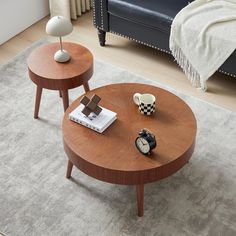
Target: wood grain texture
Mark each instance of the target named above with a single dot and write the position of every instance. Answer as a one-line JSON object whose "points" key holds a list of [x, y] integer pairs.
{"points": [[86, 86], [65, 98], [69, 169], [140, 199], [45, 72], [37, 101], [112, 156]]}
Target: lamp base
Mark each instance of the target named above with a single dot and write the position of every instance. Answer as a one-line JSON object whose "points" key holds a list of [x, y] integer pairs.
{"points": [[61, 56]]}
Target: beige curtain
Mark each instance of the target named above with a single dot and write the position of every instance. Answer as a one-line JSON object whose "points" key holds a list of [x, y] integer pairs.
{"points": [[69, 8]]}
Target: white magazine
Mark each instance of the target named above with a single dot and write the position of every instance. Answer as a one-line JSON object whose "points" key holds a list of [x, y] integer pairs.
{"points": [[98, 123]]}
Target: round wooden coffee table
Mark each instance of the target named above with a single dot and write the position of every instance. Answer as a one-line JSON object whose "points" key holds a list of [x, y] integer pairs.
{"points": [[45, 72], [112, 156]]}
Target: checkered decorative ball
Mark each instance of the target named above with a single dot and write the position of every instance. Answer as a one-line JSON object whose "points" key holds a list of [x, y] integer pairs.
{"points": [[147, 109]]}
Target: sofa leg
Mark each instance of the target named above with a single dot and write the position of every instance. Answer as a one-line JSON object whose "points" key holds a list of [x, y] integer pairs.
{"points": [[102, 37]]}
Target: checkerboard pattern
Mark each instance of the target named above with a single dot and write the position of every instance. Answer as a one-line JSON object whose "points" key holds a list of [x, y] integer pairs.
{"points": [[147, 109]]}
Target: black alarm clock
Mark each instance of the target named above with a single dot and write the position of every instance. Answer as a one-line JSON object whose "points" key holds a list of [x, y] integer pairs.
{"points": [[145, 142]]}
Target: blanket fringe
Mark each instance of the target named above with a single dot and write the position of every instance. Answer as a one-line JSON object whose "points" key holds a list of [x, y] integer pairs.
{"points": [[188, 69]]}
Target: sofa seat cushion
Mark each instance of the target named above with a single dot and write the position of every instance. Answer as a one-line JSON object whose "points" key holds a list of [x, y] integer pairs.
{"points": [[157, 14]]}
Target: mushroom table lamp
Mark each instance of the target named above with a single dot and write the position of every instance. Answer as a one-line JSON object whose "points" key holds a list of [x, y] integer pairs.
{"points": [[59, 26]]}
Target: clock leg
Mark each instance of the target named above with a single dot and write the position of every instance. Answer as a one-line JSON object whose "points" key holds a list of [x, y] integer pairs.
{"points": [[69, 169], [140, 198]]}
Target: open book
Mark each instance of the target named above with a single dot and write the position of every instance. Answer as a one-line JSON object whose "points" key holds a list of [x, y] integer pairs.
{"points": [[98, 123]]}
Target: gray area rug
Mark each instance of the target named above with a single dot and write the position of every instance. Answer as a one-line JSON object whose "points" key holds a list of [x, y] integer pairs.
{"points": [[37, 199]]}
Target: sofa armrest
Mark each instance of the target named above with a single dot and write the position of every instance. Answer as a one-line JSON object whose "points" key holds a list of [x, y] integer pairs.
{"points": [[100, 14]]}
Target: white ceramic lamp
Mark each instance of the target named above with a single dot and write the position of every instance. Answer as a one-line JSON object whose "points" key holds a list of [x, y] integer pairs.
{"points": [[59, 26]]}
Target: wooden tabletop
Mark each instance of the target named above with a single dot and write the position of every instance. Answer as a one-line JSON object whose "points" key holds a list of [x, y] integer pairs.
{"points": [[47, 73], [112, 155]]}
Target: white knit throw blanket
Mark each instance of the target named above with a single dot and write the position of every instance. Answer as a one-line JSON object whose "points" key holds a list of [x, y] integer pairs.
{"points": [[203, 36]]}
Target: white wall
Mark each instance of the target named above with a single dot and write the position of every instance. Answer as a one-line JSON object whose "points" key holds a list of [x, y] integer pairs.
{"points": [[17, 15]]}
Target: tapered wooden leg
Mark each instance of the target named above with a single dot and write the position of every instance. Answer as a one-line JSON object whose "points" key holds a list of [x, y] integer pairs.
{"points": [[37, 101], [65, 98], [60, 93], [86, 87], [140, 198], [69, 169]]}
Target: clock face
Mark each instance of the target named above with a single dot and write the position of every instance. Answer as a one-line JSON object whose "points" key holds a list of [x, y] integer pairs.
{"points": [[143, 145]]}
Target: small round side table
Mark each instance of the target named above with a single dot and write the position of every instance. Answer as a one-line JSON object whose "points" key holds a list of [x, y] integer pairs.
{"points": [[46, 73]]}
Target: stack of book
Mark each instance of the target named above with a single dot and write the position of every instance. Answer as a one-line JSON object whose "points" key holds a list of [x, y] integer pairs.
{"points": [[98, 123]]}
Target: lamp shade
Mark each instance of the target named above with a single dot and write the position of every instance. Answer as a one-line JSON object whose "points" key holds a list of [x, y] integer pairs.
{"points": [[59, 26]]}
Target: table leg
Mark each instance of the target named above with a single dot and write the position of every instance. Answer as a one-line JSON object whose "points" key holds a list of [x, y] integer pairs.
{"points": [[86, 87], [140, 198], [65, 98], [60, 93], [69, 169], [37, 101]]}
